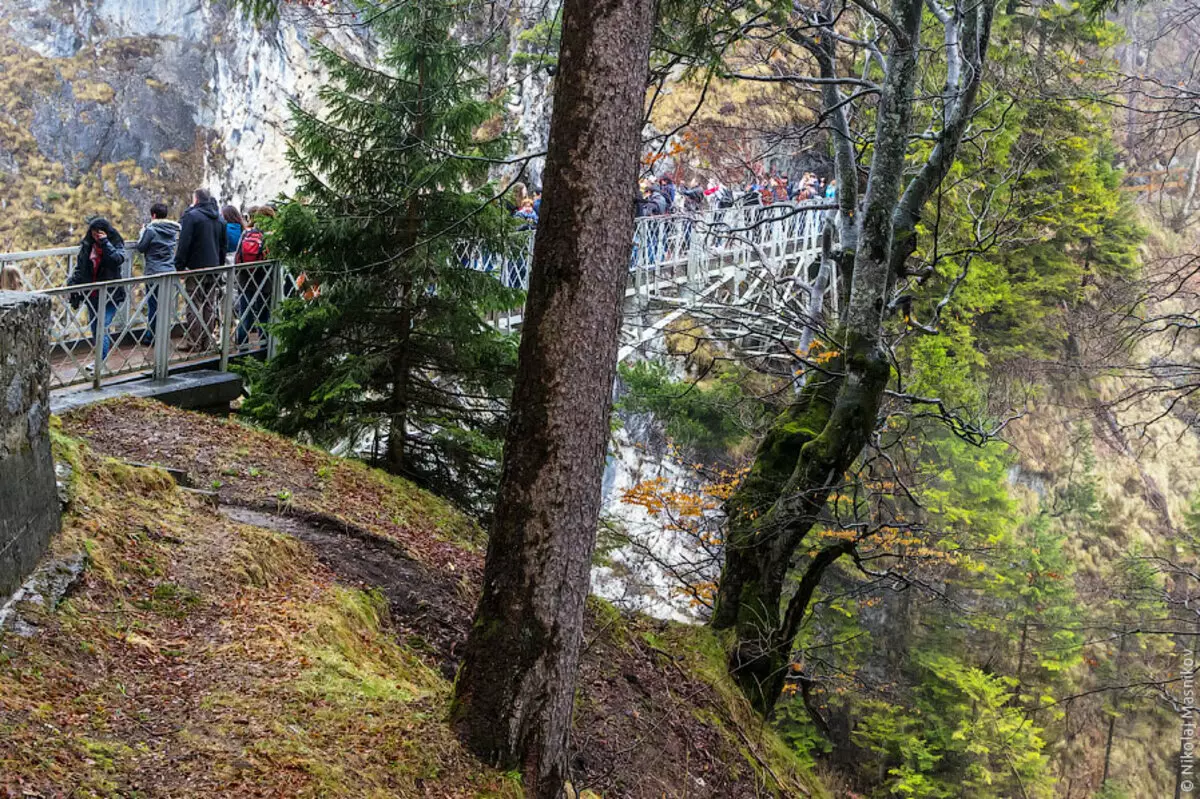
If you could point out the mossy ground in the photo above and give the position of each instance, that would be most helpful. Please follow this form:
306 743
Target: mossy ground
201 657
205 657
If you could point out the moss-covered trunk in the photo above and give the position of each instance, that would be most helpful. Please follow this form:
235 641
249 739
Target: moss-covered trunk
801 461
813 444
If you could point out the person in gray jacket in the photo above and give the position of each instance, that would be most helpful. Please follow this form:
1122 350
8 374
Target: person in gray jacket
157 243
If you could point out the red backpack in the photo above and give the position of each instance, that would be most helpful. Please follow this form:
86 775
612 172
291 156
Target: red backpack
251 248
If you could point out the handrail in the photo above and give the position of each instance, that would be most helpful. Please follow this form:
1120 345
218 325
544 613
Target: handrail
711 216
148 324
140 279
28 255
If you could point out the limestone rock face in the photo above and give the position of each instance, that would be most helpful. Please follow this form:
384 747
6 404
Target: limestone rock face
123 102
108 106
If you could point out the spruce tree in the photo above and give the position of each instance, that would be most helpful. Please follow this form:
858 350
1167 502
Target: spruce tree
392 179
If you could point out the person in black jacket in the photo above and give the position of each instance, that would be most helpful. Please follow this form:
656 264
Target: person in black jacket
201 245
101 256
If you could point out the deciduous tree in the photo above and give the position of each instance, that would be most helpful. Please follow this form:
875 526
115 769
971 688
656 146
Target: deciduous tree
809 448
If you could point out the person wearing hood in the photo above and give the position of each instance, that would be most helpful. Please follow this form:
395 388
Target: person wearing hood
653 203
202 244
157 243
100 258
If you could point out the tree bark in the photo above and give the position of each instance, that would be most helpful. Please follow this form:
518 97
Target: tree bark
397 441
398 419
515 692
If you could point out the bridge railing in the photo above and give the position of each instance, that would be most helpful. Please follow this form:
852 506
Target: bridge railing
158 323
42 269
145 326
665 244
45 269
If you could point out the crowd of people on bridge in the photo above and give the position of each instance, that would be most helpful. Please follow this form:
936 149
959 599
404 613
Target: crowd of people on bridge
663 196
205 236
208 235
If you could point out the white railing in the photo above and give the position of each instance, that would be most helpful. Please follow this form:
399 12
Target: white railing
742 234
43 269
152 324
144 326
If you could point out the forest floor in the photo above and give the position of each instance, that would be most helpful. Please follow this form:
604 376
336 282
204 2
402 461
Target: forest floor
274 621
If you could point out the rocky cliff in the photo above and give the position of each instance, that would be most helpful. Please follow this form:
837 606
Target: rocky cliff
107 106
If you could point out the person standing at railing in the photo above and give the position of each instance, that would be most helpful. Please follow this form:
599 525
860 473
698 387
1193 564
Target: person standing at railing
647 238
202 244
693 198
254 282
10 278
157 242
666 187
101 254
234 225
516 195
527 216
779 189
693 205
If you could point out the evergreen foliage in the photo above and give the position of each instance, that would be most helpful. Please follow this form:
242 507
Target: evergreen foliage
1032 222
392 175
961 736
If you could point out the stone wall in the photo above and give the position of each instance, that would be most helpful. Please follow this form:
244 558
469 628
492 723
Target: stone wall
29 511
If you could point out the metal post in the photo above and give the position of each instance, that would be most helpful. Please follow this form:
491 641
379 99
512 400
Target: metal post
123 312
276 299
164 287
226 318
695 257
639 255
101 330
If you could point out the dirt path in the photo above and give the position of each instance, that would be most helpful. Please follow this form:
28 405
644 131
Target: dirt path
427 608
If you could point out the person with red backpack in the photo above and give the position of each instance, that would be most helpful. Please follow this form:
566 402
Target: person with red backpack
254 282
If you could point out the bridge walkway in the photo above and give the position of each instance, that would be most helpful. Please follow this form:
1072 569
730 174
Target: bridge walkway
738 255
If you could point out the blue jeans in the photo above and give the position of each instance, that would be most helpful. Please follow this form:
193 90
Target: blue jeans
110 310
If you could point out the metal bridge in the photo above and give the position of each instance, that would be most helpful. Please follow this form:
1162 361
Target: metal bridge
757 258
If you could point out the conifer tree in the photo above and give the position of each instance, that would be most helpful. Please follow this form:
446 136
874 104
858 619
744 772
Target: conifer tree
392 178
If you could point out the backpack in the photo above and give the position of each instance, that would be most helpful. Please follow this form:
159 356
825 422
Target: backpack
252 247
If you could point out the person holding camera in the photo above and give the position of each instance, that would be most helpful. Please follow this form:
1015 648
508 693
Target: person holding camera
101 256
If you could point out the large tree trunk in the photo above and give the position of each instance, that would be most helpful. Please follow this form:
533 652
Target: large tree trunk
805 456
516 688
